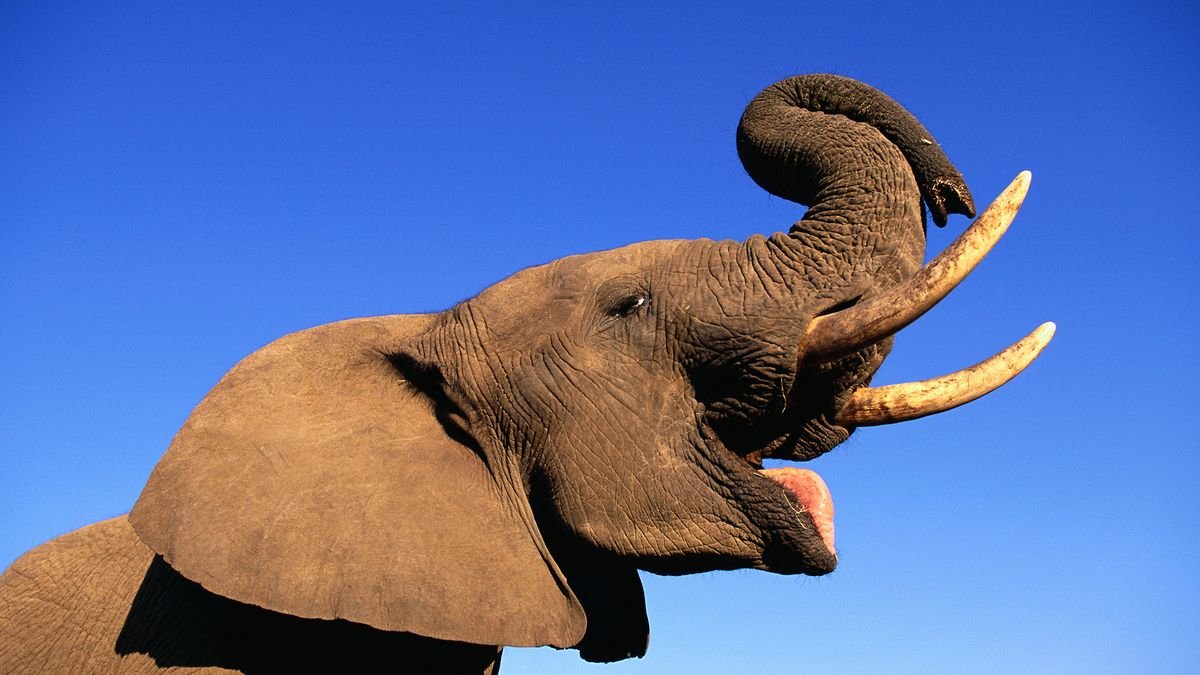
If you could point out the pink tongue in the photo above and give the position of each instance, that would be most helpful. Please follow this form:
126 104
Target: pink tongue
812 494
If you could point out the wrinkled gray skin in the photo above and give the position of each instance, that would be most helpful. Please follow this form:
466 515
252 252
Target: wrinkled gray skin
408 486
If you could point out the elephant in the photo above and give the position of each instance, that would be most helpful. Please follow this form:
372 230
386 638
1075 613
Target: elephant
429 488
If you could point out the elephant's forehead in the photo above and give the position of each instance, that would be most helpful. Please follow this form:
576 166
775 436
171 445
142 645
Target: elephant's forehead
591 269
536 299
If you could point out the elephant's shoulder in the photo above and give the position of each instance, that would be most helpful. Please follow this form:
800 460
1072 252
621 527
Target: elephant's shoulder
76 572
63 604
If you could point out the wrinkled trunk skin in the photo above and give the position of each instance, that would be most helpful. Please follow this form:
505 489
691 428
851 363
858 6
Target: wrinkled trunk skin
792 148
862 164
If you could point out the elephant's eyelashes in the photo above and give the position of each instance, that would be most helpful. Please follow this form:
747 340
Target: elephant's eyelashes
628 305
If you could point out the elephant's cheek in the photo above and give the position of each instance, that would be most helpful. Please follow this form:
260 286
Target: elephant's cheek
813 496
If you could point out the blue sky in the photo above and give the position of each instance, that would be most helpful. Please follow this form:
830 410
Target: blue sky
181 183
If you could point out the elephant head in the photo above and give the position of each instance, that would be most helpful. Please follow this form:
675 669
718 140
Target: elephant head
496 473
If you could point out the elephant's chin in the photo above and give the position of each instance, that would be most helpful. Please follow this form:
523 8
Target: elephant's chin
812 496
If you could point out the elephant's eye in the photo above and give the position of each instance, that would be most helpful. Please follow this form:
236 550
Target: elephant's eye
628 305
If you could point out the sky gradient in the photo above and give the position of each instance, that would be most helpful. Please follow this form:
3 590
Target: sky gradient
181 183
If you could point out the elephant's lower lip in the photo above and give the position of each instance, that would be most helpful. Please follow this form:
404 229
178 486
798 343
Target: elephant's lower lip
812 494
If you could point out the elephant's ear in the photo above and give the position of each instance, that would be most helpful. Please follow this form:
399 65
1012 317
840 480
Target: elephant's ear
315 481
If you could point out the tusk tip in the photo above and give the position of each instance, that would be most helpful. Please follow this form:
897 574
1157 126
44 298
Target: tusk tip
1045 332
1031 346
1018 188
901 402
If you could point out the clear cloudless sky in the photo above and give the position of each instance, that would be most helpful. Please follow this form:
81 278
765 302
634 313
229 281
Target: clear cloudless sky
181 183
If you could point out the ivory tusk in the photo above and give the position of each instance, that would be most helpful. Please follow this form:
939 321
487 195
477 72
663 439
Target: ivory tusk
835 335
902 402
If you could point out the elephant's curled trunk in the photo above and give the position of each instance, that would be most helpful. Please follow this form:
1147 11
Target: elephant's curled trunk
793 144
862 164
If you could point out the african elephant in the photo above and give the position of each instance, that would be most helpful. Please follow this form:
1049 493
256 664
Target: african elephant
437 486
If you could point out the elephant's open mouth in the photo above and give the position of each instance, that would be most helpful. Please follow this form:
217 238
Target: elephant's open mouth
813 496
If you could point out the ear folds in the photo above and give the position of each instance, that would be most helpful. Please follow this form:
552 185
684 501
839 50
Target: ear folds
314 481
